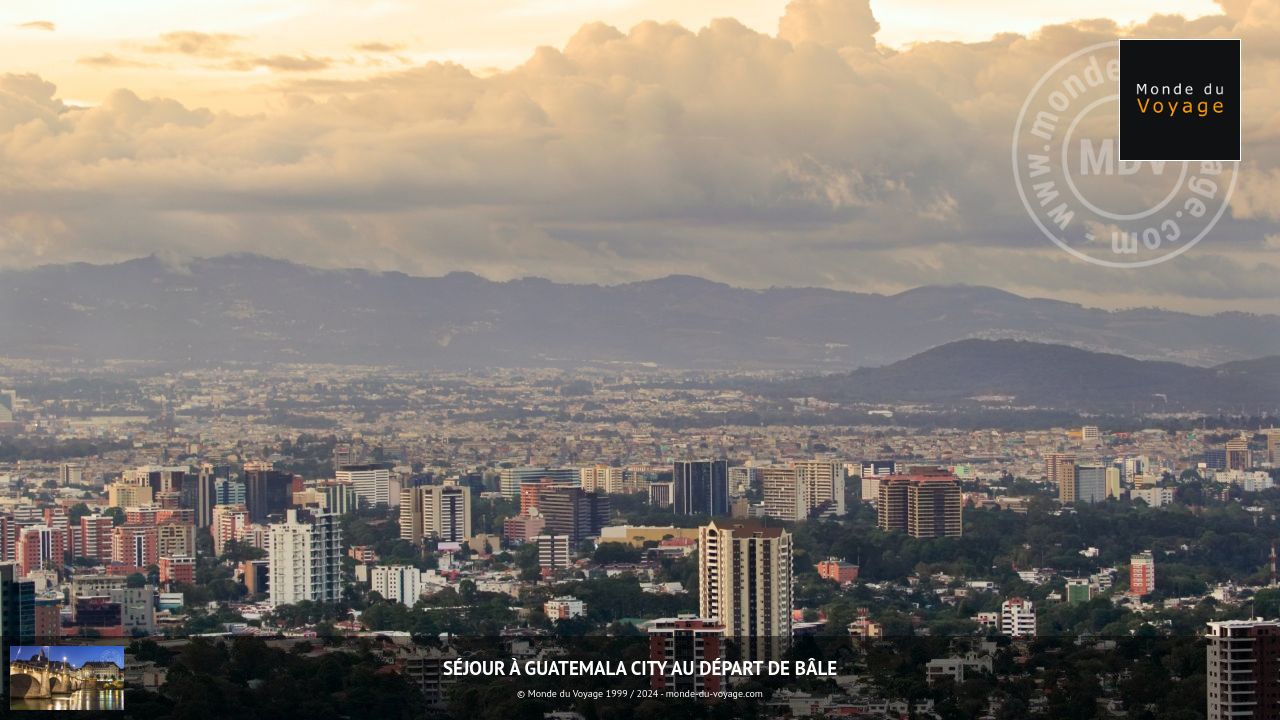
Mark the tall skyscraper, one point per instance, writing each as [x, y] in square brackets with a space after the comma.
[701, 487]
[1142, 574]
[745, 578]
[206, 495]
[925, 504]
[1238, 454]
[17, 606]
[1242, 670]
[305, 559]
[1060, 472]
[267, 491]
[573, 512]
[371, 481]
[685, 639]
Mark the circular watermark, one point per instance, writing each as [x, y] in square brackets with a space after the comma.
[1082, 196]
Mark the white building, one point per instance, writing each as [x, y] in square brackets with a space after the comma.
[305, 559]
[1018, 618]
[745, 584]
[564, 608]
[601, 478]
[371, 481]
[1153, 496]
[401, 583]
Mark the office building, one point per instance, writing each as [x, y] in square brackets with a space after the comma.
[1091, 483]
[662, 494]
[511, 480]
[70, 474]
[268, 492]
[701, 487]
[574, 512]
[208, 479]
[1242, 670]
[801, 490]
[371, 482]
[398, 583]
[1060, 473]
[123, 495]
[925, 504]
[1018, 618]
[176, 539]
[1090, 435]
[17, 606]
[745, 584]
[305, 559]
[685, 639]
[1142, 574]
[178, 569]
[1237, 454]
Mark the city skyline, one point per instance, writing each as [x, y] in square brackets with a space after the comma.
[75, 655]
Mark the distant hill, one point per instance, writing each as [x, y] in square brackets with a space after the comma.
[247, 307]
[976, 372]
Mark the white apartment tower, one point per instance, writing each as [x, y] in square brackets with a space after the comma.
[745, 577]
[305, 559]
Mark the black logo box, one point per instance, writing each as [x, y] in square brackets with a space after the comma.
[1192, 63]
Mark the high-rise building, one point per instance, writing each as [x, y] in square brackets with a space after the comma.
[511, 480]
[230, 522]
[601, 478]
[40, 546]
[1273, 445]
[1091, 483]
[305, 559]
[1018, 618]
[267, 491]
[123, 494]
[95, 537]
[371, 482]
[1142, 574]
[178, 569]
[744, 584]
[135, 546]
[701, 487]
[160, 478]
[1238, 454]
[442, 512]
[662, 494]
[1242, 672]
[1060, 472]
[554, 553]
[70, 474]
[925, 504]
[175, 539]
[573, 512]
[685, 639]
[207, 486]
[802, 490]
[1113, 482]
[17, 606]
[398, 583]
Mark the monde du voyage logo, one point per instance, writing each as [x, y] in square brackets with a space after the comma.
[1125, 153]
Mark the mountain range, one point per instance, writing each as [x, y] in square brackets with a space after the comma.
[993, 373]
[253, 308]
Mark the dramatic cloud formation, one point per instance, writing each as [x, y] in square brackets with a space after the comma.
[807, 157]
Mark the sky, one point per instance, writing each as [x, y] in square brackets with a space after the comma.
[833, 143]
[77, 655]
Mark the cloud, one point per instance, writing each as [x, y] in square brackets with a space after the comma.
[809, 157]
[283, 63]
[379, 47]
[188, 42]
[44, 25]
[108, 60]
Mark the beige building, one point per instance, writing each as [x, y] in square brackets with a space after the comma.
[442, 512]
[744, 584]
[124, 495]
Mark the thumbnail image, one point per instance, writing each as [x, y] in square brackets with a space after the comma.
[66, 677]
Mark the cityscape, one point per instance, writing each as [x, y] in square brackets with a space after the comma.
[612, 359]
[547, 513]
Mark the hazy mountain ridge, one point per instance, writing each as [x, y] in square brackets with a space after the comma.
[1011, 372]
[246, 307]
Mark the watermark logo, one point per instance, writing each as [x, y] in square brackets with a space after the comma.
[1101, 209]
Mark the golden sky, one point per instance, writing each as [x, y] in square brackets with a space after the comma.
[818, 142]
[232, 53]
